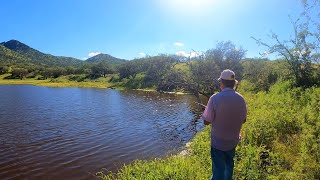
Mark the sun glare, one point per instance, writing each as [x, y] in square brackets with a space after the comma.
[189, 6]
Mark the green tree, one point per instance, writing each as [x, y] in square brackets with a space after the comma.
[19, 72]
[172, 80]
[302, 50]
[70, 70]
[263, 73]
[205, 71]
[100, 69]
[158, 67]
[57, 71]
[129, 69]
[4, 69]
[52, 72]
[227, 56]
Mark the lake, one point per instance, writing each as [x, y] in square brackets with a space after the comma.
[72, 133]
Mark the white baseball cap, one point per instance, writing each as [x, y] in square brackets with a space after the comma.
[227, 75]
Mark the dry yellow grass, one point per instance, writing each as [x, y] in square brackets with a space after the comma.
[60, 82]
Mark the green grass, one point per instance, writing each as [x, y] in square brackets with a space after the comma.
[183, 67]
[280, 141]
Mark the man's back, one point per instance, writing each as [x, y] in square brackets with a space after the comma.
[229, 109]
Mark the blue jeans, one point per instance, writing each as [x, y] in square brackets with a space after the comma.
[222, 164]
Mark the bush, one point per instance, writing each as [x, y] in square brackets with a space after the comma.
[78, 78]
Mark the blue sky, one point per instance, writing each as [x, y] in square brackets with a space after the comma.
[132, 28]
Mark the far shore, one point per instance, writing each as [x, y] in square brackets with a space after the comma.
[74, 84]
[48, 83]
[167, 92]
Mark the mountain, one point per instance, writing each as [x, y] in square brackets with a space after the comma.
[105, 58]
[16, 52]
[39, 58]
[8, 56]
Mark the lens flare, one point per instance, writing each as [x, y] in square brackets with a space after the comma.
[193, 7]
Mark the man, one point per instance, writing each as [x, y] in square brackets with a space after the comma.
[226, 112]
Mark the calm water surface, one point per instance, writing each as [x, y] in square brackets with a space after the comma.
[71, 133]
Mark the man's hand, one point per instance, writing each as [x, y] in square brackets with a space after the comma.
[206, 122]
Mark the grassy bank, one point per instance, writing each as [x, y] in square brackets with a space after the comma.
[63, 81]
[82, 82]
[280, 141]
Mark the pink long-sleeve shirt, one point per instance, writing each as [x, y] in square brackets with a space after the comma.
[226, 111]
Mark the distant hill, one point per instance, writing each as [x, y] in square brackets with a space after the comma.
[16, 52]
[105, 58]
[39, 58]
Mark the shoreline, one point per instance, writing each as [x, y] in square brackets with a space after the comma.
[166, 92]
[75, 84]
[46, 83]
[63, 83]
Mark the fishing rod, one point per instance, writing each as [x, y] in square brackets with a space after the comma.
[202, 105]
[217, 82]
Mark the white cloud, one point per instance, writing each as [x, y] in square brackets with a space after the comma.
[182, 53]
[93, 54]
[142, 54]
[179, 44]
[185, 54]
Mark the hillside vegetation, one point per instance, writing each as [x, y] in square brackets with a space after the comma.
[38, 58]
[25, 62]
[106, 58]
[8, 56]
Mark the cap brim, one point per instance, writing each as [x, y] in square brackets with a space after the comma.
[227, 79]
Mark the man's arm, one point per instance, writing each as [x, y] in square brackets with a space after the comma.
[246, 112]
[208, 114]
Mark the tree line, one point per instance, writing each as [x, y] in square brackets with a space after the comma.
[298, 62]
[23, 71]
[194, 74]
